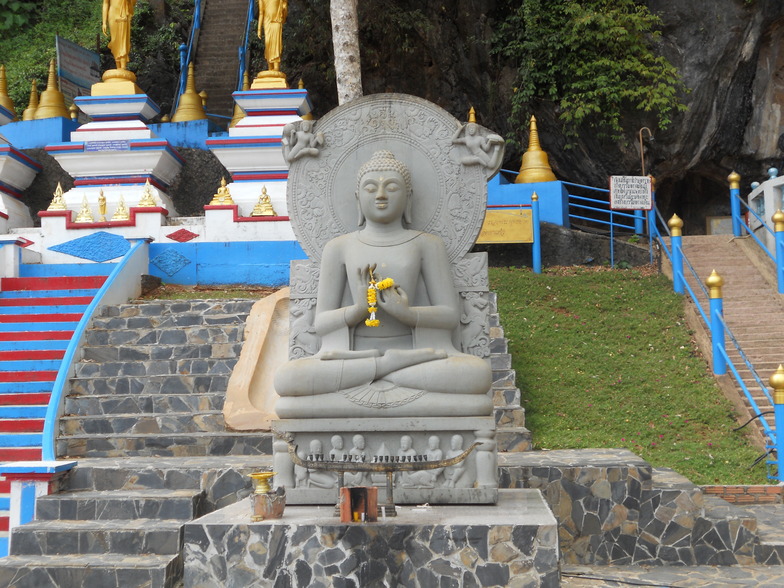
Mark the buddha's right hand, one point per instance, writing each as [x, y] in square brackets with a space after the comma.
[358, 311]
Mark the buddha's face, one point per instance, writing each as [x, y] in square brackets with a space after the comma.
[382, 196]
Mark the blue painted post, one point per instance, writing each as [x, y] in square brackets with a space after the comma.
[734, 180]
[537, 248]
[714, 283]
[639, 222]
[183, 67]
[651, 218]
[778, 226]
[676, 224]
[777, 383]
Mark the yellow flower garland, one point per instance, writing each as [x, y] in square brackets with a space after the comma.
[372, 298]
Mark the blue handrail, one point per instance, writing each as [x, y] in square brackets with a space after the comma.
[193, 40]
[243, 50]
[114, 290]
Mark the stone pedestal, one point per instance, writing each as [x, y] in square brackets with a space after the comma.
[252, 151]
[117, 153]
[474, 481]
[514, 543]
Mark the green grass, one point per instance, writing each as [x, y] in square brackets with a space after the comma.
[605, 359]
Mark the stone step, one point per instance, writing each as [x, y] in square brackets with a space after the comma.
[121, 505]
[168, 445]
[143, 424]
[501, 361]
[173, 307]
[98, 571]
[113, 353]
[513, 439]
[168, 385]
[508, 396]
[509, 416]
[158, 367]
[198, 335]
[217, 476]
[499, 345]
[504, 378]
[106, 404]
[167, 322]
[132, 536]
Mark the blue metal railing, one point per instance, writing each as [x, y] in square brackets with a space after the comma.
[187, 51]
[114, 290]
[243, 49]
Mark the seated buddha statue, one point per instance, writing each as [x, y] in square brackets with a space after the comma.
[386, 311]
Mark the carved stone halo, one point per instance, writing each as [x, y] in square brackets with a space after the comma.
[449, 198]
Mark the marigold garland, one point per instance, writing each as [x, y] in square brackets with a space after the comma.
[372, 298]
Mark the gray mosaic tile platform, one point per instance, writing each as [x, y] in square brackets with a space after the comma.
[513, 543]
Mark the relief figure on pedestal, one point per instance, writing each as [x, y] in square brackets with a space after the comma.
[397, 351]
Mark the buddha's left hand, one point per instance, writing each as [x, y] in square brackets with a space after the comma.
[395, 302]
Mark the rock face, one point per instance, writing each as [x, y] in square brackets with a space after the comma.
[728, 52]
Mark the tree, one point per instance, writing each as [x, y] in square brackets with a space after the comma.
[595, 59]
[345, 42]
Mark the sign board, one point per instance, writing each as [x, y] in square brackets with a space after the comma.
[114, 145]
[513, 225]
[78, 69]
[630, 193]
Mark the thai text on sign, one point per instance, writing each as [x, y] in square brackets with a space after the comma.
[513, 225]
[630, 193]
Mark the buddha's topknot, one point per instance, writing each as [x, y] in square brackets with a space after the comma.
[385, 161]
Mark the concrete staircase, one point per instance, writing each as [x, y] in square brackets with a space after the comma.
[217, 62]
[152, 383]
[38, 313]
[752, 309]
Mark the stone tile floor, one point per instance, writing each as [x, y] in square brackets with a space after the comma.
[681, 577]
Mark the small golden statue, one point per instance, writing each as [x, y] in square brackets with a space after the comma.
[58, 202]
[85, 214]
[121, 214]
[264, 205]
[222, 197]
[272, 16]
[102, 206]
[148, 200]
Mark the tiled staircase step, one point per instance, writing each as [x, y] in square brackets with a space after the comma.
[31, 354]
[167, 322]
[29, 301]
[170, 444]
[64, 283]
[154, 368]
[506, 396]
[110, 353]
[24, 329]
[718, 509]
[225, 473]
[38, 294]
[31, 365]
[96, 571]
[131, 536]
[143, 424]
[30, 335]
[20, 453]
[198, 335]
[20, 440]
[17, 425]
[37, 376]
[111, 404]
[201, 307]
[33, 345]
[509, 416]
[62, 317]
[504, 378]
[170, 385]
[22, 310]
[120, 505]
[770, 523]
[25, 398]
[513, 439]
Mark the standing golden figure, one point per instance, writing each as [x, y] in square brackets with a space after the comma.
[116, 22]
[272, 17]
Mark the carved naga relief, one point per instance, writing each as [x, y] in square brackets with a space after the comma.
[475, 335]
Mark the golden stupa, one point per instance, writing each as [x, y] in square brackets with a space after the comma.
[239, 114]
[52, 103]
[5, 99]
[191, 106]
[32, 106]
[536, 165]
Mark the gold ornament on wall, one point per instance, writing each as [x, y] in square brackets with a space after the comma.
[85, 214]
[264, 205]
[148, 200]
[121, 214]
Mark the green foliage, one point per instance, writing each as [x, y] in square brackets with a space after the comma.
[26, 53]
[595, 59]
[15, 14]
[604, 359]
